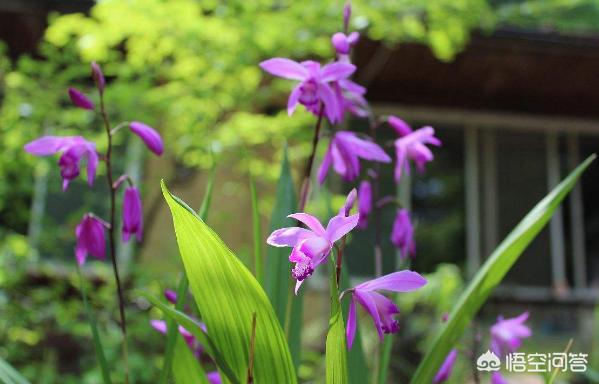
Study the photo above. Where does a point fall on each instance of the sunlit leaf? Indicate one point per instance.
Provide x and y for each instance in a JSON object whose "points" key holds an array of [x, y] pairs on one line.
{"points": [[186, 368], [227, 295], [9, 375], [336, 349]]}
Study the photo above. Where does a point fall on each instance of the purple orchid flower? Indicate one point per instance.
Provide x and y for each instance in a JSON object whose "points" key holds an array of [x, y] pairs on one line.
{"points": [[149, 136], [132, 214], [90, 238], [350, 97], [314, 88], [344, 152], [364, 203], [214, 377], [400, 126], [413, 146], [98, 77], [507, 334], [446, 368], [79, 99], [402, 235], [73, 148], [311, 246], [344, 43], [497, 378], [190, 339], [380, 308]]}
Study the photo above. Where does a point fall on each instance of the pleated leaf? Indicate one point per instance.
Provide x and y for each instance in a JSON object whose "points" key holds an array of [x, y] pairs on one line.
{"points": [[277, 279], [491, 274], [336, 349], [227, 295]]}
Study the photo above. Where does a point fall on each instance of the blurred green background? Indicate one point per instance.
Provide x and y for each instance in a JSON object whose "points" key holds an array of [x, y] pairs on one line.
{"points": [[190, 69]]}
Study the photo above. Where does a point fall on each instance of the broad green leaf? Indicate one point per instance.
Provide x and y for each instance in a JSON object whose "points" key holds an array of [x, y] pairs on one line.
{"points": [[258, 261], [186, 367], [172, 332], [277, 279], [491, 274], [336, 349], [227, 295], [94, 330], [194, 328]]}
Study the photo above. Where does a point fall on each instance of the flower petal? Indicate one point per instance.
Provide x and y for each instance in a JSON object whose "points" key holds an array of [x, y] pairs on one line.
{"points": [[310, 221], [402, 281], [159, 325], [340, 226], [285, 68], [325, 165], [368, 303], [294, 99], [79, 99], [350, 331], [446, 368], [288, 237], [149, 136], [336, 71], [92, 163], [365, 149], [401, 127], [327, 96], [48, 145]]}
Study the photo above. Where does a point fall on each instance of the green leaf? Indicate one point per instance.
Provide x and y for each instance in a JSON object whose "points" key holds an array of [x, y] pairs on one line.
{"points": [[194, 328], [277, 279], [491, 274], [172, 332], [94, 330], [258, 261], [9, 375], [336, 349], [186, 368], [227, 295]]}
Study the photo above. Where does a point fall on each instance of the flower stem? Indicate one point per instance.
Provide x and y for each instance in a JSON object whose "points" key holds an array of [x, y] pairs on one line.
{"points": [[378, 253], [111, 232], [308, 171]]}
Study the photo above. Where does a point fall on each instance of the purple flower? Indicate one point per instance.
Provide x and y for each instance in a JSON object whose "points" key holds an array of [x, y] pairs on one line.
{"points": [[311, 246], [98, 77], [364, 203], [314, 88], [497, 378], [413, 146], [349, 202], [79, 99], [148, 135], [507, 334], [446, 367], [381, 309], [132, 214], [214, 377], [344, 43], [73, 149], [350, 97], [190, 339], [171, 296], [401, 127], [90, 238], [344, 152], [346, 15], [402, 235]]}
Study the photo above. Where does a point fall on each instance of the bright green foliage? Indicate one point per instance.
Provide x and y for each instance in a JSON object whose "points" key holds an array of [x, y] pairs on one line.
{"points": [[491, 274], [186, 367], [227, 296]]}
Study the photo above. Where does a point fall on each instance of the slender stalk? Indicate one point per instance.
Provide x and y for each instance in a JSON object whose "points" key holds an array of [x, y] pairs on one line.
{"points": [[340, 258], [475, 352], [111, 233], [308, 171], [378, 253]]}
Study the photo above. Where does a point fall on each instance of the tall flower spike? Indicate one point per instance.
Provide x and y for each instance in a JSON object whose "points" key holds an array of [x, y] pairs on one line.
{"points": [[446, 367], [90, 239], [132, 214], [311, 246], [74, 149], [507, 334], [344, 152], [79, 99], [380, 308], [364, 203], [149, 136], [402, 235], [314, 85], [413, 146]]}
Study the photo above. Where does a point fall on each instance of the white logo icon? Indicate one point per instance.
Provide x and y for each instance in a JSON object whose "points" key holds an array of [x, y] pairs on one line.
{"points": [[488, 362]]}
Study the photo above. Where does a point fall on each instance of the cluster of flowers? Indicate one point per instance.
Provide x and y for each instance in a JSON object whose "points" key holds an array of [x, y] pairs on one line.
{"points": [[73, 150], [326, 90]]}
